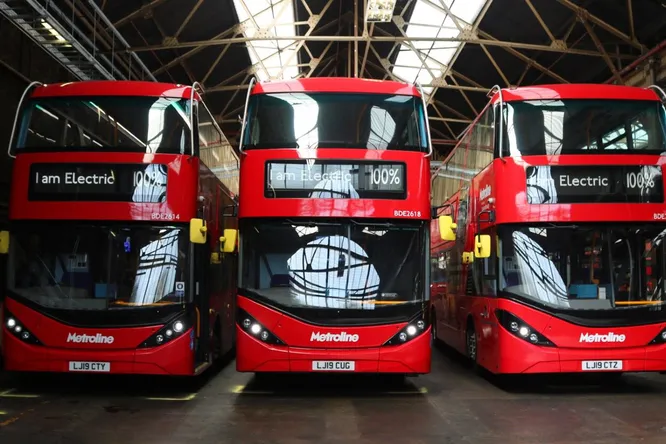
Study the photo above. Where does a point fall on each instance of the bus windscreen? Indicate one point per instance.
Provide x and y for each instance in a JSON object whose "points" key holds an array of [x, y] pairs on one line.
{"points": [[335, 272], [86, 267], [584, 126], [336, 120], [155, 125], [582, 267]]}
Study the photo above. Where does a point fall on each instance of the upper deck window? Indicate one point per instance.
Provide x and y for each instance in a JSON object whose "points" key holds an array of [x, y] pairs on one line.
{"points": [[336, 120], [582, 126], [105, 123]]}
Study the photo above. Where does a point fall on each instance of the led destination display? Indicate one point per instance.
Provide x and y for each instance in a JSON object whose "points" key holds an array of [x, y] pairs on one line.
{"points": [[141, 183], [335, 180], [594, 184]]}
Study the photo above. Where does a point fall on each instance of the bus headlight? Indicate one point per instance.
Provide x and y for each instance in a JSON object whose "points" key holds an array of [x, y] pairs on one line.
{"points": [[169, 332], [519, 328], [410, 331], [659, 339], [255, 329], [16, 328]]}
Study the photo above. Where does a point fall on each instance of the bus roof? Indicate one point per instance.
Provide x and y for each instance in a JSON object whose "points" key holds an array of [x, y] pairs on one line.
{"points": [[114, 88], [337, 85], [576, 91]]}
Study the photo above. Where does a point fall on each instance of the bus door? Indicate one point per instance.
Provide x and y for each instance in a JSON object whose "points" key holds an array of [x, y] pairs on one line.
{"points": [[199, 286], [460, 285], [484, 301], [445, 279], [201, 262]]}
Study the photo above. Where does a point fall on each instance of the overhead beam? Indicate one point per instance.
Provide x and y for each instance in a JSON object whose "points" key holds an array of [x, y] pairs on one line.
{"points": [[497, 68], [630, 11], [584, 14], [138, 12], [200, 44], [449, 119], [189, 53], [193, 11], [600, 47], [540, 20], [533, 62]]}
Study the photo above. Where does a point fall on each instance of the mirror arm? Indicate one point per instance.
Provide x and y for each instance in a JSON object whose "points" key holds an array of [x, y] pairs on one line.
{"points": [[435, 209]]}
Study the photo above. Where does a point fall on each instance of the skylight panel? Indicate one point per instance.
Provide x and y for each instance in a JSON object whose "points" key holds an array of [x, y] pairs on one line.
{"points": [[430, 20], [271, 59]]}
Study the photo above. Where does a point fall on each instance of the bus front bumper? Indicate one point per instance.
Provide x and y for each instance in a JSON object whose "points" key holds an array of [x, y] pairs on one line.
{"points": [[517, 356], [413, 357], [173, 358]]}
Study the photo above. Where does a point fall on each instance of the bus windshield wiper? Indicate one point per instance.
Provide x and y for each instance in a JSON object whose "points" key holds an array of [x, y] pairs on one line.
{"points": [[311, 223], [373, 224]]}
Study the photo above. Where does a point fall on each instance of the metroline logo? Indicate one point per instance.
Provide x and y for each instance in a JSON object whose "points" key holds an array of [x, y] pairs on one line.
{"points": [[330, 337], [596, 337], [485, 192], [90, 339]]}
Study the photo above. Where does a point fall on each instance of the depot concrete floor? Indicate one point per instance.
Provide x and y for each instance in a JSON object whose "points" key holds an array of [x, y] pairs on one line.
{"points": [[451, 405]]}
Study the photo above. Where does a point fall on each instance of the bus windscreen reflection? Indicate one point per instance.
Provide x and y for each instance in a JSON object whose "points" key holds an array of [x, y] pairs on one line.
{"points": [[331, 267]]}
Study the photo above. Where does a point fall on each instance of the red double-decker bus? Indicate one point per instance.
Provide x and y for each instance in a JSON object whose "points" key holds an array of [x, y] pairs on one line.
{"points": [[334, 228], [548, 255], [123, 231]]}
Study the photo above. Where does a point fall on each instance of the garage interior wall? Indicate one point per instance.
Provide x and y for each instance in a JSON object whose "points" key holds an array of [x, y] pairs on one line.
{"points": [[21, 61]]}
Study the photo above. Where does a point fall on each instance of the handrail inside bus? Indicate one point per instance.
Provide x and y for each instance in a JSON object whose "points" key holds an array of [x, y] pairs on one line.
{"points": [[659, 91], [498, 89], [427, 123], [18, 110], [638, 302], [192, 91], [244, 122]]}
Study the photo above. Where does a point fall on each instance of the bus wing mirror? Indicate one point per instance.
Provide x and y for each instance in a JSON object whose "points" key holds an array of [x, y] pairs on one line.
{"points": [[467, 257], [228, 241], [4, 242], [198, 231], [482, 246], [446, 227]]}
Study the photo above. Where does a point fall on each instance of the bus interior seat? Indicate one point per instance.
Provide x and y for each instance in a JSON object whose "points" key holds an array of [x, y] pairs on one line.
{"points": [[583, 291], [103, 290], [512, 279]]}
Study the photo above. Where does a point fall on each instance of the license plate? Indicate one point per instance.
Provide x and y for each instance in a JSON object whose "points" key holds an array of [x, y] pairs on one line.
{"points": [[602, 365], [333, 366], [83, 366]]}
